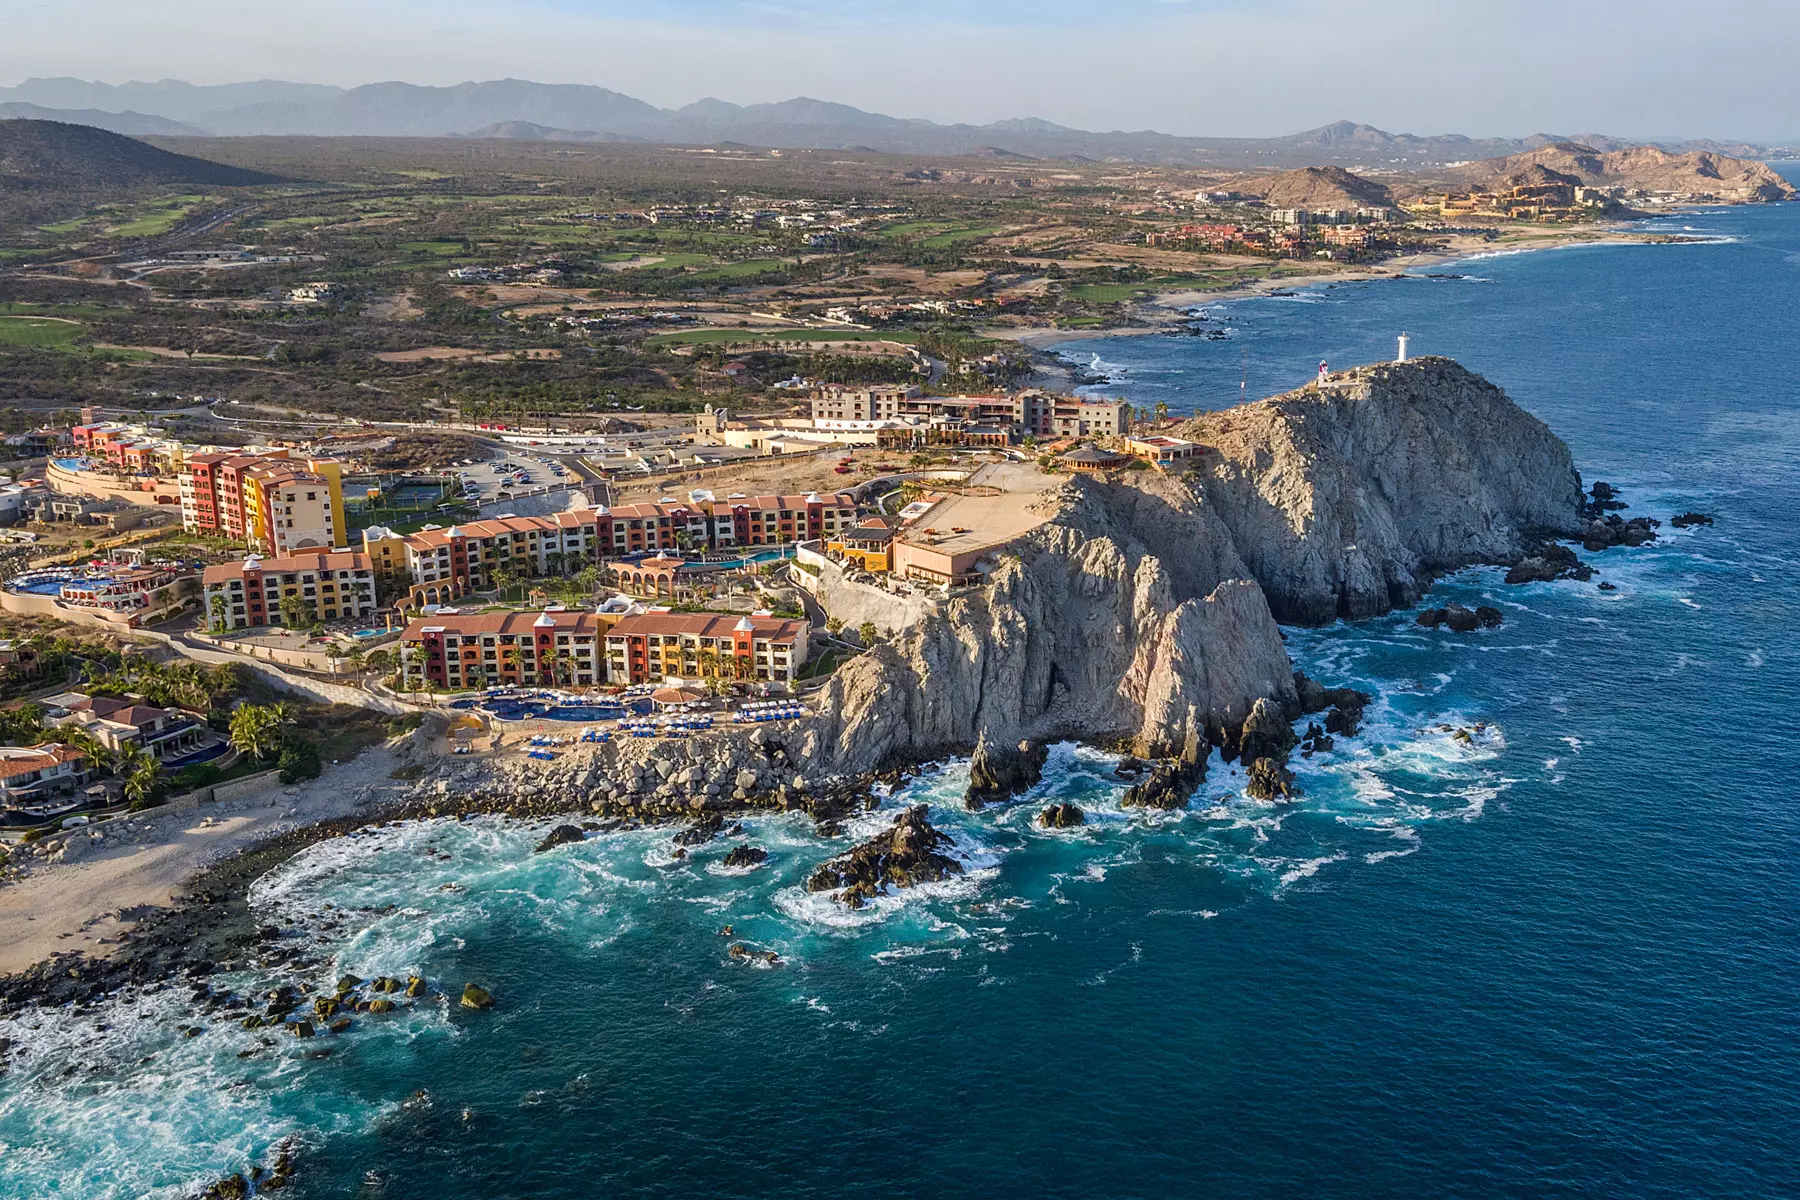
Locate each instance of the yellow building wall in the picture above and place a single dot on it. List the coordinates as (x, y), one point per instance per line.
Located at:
(332, 471)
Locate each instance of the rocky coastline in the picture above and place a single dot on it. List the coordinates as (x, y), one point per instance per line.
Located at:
(1141, 615)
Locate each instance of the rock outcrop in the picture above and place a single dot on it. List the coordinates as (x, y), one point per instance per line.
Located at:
(1061, 816)
(906, 854)
(997, 772)
(1346, 500)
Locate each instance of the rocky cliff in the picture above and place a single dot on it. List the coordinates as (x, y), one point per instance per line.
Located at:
(1344, 500)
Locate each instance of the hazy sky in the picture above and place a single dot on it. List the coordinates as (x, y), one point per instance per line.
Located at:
(1246, 67)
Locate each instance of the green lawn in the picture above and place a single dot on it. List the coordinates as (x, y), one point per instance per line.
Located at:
(156, 219)
(442, 249)
(39, 332)
(690, 337)
(910, 228)
(748, 269)
(1115, 293)
(954, 236)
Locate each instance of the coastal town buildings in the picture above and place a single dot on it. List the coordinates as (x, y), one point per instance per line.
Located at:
(127, 724)
(1009, 417)
(444, 563)
(29, 773)
(585, 649)
(1163, 453)
(266, 501)
(657, 645)
(323, 586)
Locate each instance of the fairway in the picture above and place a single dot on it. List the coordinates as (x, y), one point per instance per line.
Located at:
(39, 332)
(694, 337)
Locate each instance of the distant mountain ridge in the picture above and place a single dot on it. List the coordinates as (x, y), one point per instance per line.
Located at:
(582, 112)
(1649, 167)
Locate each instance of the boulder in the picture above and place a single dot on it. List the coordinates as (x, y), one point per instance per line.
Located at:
(1688, 520)
(476, 997)
(746, 856)
(562, 835)
(1489, 617)
(1061, 816)
(908, 853)
(1270, 780)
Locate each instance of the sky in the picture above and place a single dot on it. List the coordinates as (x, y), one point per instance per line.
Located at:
(1648, 68)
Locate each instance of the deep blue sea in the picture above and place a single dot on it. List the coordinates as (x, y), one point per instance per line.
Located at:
(1559, 959)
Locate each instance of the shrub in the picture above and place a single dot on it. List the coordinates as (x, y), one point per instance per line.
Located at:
(299, 762)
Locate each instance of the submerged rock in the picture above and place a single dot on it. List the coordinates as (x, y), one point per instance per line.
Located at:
(908, 853)
(562, 835)
(1688, 520)
(746, 856)
(1460, 618)
(1547, 562)
(1061, 816)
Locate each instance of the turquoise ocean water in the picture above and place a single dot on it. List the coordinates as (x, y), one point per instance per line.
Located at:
(1563, 960)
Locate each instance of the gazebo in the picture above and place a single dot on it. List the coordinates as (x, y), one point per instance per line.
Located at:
(668, 697)
(1091, 460)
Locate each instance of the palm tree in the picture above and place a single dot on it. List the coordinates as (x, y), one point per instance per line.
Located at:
(553, 563)
(255, 730)
(514, 657)
(708, 663)
(142, 774)
(356, 662)
(589, 579)
(219, 609)
(834, 625)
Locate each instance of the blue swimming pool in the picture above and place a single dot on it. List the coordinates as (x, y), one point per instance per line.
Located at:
(525, 710)
(72, 464)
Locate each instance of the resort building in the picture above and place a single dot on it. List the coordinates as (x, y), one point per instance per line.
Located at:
(475, 650)
(584, 649)
(30, 773)
(657, 645)
(120, 725)
(1164, 453)
(974, 420)
(329, 586)
(869, 545)
(445, 563)
(266, 501)
(1091, 460)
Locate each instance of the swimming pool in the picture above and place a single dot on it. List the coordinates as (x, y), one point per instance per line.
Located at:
(525, 710)
(50, 581)
(72, 464)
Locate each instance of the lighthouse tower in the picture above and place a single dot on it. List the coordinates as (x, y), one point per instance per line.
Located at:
(1403, 340)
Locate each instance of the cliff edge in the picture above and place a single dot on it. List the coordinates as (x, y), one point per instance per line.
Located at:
(1346, 499)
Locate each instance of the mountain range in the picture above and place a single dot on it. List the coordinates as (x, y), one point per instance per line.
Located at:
(514, 108)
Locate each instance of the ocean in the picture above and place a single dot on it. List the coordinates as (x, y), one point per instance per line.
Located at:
(1556, 956)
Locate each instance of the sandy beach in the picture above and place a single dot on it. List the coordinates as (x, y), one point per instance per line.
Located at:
(1163, 309)
(144, 862)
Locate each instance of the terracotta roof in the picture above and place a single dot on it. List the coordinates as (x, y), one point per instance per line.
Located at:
(525, 623)
(36, 758)
(309, 560)
(706, 625)
(138, 714)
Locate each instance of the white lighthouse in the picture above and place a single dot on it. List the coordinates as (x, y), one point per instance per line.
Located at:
(1403, 340)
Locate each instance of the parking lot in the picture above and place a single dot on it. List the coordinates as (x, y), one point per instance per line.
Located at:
(514, 474)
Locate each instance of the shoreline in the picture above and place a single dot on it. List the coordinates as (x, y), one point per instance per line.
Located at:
(1163, 311)
(147, 866)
